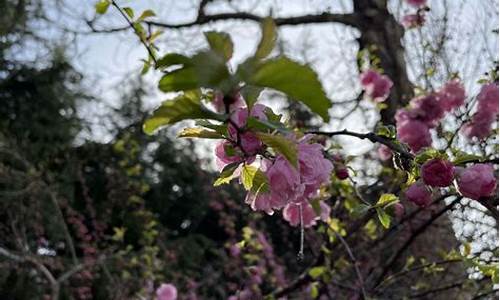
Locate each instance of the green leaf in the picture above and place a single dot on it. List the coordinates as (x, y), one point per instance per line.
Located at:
(227, 174)
(206, 69)
(268, 39)
(384, 218)
(197, 132)
(386, 200)
(146, 14)
(282, 145)
(254, 180)
(179, 80)
(220, 43)
(102, 6)
(298, 81)
(186, 106)
(317, 272)
(463, 158)
(173, 59)
(129, 11)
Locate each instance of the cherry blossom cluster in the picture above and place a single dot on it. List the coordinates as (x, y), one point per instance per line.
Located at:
(416, 19)
(486, 113)
(425, 112)
(474, 182)
(166, 291)
(290, 188)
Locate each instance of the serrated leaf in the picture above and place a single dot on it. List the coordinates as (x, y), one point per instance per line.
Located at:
(317, 272)
(268, 39)
(186, 106)
(297, 81)
(102, 6)
(220, 43)
(197, 132)
(282, 145)
(227, 174)
(129, 11)
(428, 154)
(173, 59)
(384, 218)
(146, 14)
(254, 180)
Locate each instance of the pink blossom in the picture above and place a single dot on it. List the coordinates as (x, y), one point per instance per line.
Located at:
(368, 77)
(416, 3)
(265, 201)
(315, 169)
(413, 21)
(221, 157)
(451, 95)
(487, 99)
(384, 152)
(284, 181)
(166, 291)
(427, 109)
(477, 181)
(376, 86)
(291, 213)
(419, 194)
(414, 133)
(480, 125)
(437, 172)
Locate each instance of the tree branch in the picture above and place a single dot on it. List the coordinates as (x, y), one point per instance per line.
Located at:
(371, 137)
(202, 19)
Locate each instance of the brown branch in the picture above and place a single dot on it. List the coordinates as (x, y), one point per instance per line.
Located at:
(371, 137)
(202, 19)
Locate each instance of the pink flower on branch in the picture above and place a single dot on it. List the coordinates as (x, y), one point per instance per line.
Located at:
(476, 181)
(437, 172)
(376, 86)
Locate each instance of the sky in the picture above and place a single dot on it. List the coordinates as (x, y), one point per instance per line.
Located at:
(107, 59)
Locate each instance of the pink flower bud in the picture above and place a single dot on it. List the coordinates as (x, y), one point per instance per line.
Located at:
(437, 172)
(414, 133)
(342, 173)
(419, 194)
(476, 181)
(166, 291)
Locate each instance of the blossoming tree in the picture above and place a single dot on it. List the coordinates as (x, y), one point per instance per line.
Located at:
(299, 174)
